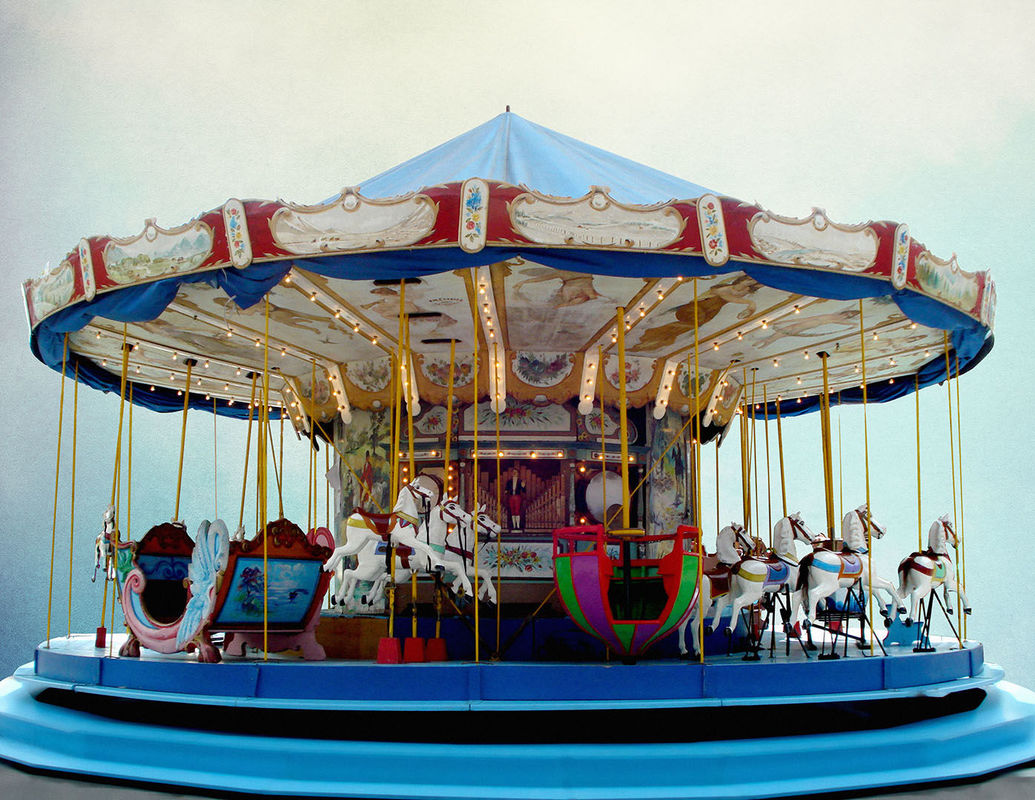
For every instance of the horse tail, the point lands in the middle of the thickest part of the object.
(802, 584)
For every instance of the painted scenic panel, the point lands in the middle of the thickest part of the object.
(290, 593)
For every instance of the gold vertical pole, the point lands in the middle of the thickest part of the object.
(449, 410)
(828, 467)
(962, 560)
(118, 476)
(215, 459)
(768, 472)
(280, 466)
(247, 447)
(745, 467)
(840, 465)
(696, 454)
(310, 512)
(397, 400)
(601, 379)
(623, 418)
(412, 468)
(952, 459)
(779, 447)
(57, 474)
(474, 483)
(866, 470)
(71, 525)
(919, 512)
(757, 508)
(263, 517)
(447, 466)
(717, 515)
(129, 470)
(183, 438)
(499, 501)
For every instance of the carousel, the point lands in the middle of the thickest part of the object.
(509, 360)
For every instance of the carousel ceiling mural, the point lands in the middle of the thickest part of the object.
(492, 252)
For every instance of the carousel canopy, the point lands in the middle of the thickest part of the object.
(533, 239)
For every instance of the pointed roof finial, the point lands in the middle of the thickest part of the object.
(508, 109)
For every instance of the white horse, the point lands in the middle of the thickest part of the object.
(823, 572)
(450, 545)
(399, 528)
(726, 543)
(102, 546)
(752, 577)
(459, 550)
(921, 573)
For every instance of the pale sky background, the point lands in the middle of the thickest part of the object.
(924, 113)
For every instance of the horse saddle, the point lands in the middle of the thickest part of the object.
(402, 552)
(719, 579)
(851, 566)
(912, 562)
(381, 524)
(776, 571)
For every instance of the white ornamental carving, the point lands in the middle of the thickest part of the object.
(352, 222)
(714, 243)
(813, 242)
(86, 269)
(157, 252)
(900, 263)
(474, 215)
(595, 220)
(237, 240)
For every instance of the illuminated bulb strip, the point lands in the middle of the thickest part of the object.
(336, 377)
(255, 337)
(716, 342)
(588, 383)
(414, 394)
(668, 379)
(497, 379)
(711, 410)
(643, 308)
(347, 319)
(485, 305)
(181, 355)
(293, 402)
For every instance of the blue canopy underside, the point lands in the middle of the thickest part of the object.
(248, 286)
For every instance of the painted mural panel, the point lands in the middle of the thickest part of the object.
(549, 309)
(365, 446)
(668, 489)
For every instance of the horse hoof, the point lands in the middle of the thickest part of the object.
(968, 611)
(901, 609)
(333, 601)
(728, 632)
(884, 613)
(948, 610)
(887, 622)
(708, 630)
(908, 622)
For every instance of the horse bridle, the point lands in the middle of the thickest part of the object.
(463, 526)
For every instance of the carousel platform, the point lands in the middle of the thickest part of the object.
(664, 728)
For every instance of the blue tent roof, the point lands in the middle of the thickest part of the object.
(513, 150)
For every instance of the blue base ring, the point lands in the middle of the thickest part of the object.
(998, 734)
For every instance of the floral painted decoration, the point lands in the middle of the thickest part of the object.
(542, 369)
(474, 201)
